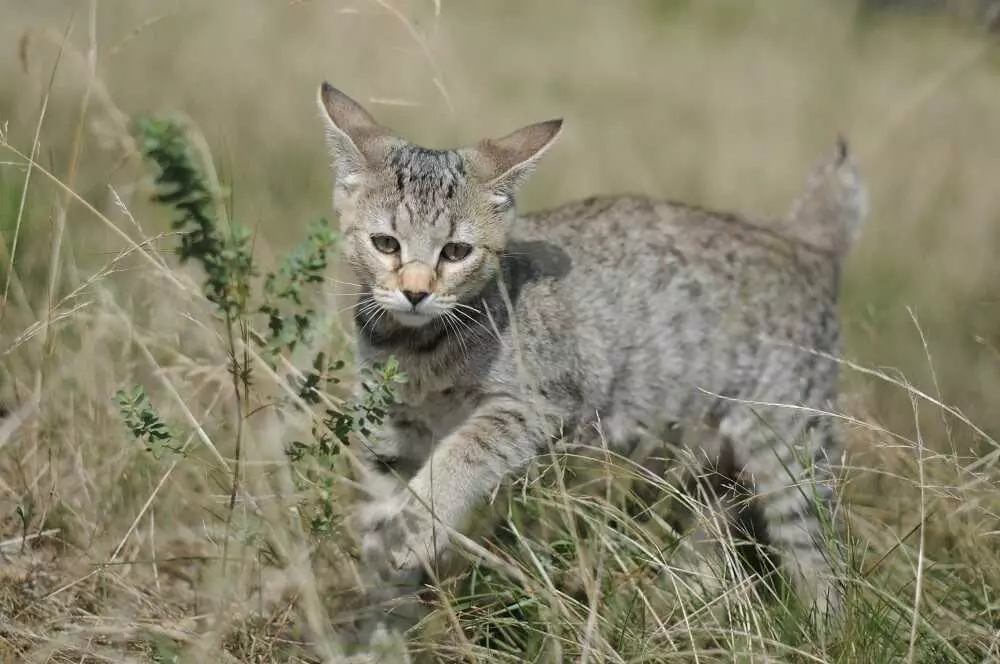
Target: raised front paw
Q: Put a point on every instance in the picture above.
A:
(398, 538)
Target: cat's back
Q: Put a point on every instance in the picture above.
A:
(657, 293)
(644, 240)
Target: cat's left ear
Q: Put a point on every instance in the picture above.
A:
(503, 164)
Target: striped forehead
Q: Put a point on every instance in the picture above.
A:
(426, 184)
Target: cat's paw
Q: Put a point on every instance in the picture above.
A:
(398, 538)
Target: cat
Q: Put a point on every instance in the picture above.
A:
(645, 314)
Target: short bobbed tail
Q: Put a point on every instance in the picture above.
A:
(833, 208)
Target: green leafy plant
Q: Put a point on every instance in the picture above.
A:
(225, 255)
(181, 185)
(335, 426)
(144, 422)
(289, 325)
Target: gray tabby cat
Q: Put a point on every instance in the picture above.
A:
(646, 314)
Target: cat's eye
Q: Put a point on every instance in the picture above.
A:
(455, 251)
(387, 244)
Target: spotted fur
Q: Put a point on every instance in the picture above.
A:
(643, 313)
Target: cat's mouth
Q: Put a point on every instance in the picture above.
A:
(412, 318)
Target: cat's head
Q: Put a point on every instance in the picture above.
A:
(423, 228)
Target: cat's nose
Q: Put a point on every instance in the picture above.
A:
(415, 297)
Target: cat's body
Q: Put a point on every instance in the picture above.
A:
(631, 309)
(614, 316)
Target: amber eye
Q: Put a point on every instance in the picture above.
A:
(455, 251)
(387, 244)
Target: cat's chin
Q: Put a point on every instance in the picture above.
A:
(407, 319)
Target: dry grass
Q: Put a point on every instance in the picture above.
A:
(720, 103)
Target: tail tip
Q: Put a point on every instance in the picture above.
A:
(842, 149)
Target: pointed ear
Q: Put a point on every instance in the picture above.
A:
(503, 164)
(356, 141)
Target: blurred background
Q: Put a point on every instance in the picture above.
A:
(724, 103)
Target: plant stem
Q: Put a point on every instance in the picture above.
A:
(236, 373)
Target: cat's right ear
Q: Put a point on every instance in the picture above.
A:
(354, 138)
(503, 164)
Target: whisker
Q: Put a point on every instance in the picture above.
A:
(364, 304)
(452, 323)
(368, 309)
(448, 326)
(490, 331)
(367, 313)
(469, 317)
(378, 317)
(464, 319)
(343, 283)
(373, 321)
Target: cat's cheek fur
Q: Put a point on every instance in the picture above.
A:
(459, 279)
(478, 275)
(356, 254)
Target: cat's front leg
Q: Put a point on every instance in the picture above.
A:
(387, 462)
(404, 533)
